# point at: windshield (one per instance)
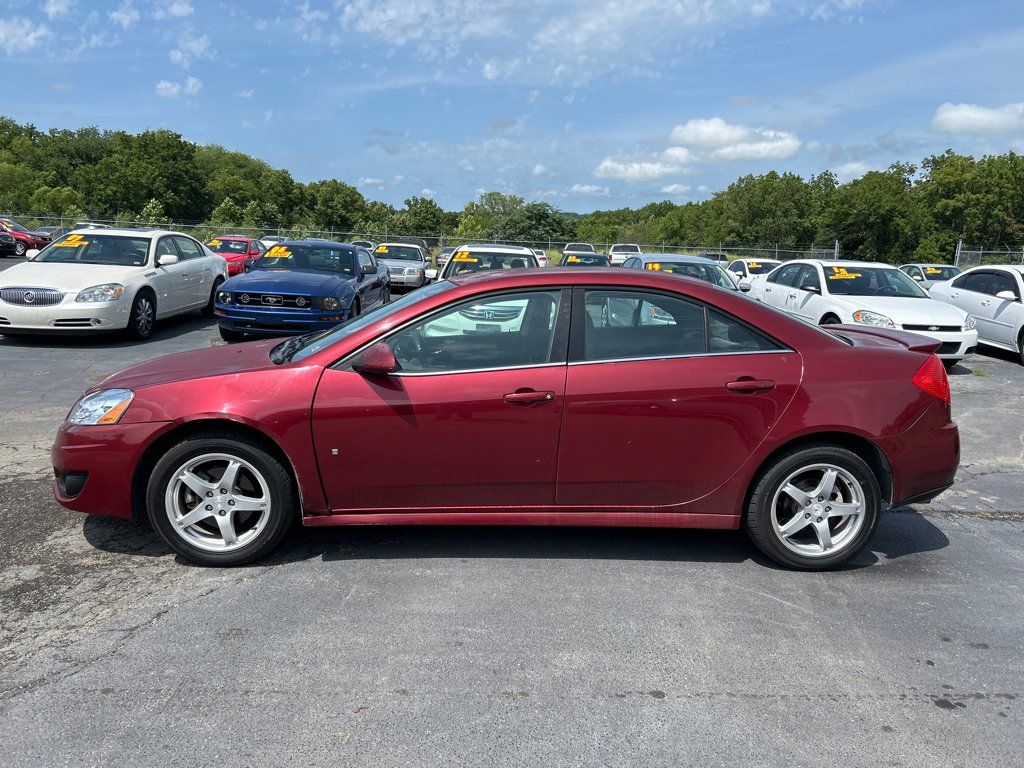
(871, 281)
(761, 267)
(15, 227)
(398, 252)
(303, 346)
(111, 250)
(319, 258)
(585, 260)
(462, 262)
(228, 246)
(709, 273)
(940, 273)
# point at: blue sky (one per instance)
(585, 104)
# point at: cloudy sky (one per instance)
(582, 103)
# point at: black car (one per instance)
(7, 245)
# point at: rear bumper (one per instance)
(93, 466)
(925, 458)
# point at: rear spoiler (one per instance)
(912, 341)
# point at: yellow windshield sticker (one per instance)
(753, 264)
(654, 265)
(933, 271)
(840, 273)
(381, 249)
(215, 243)
(279, 252)
(573, 260)
(72, 241)
(463, 256)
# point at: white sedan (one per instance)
(993, 295)
(827, 292)
(743, 271)
(111, 279)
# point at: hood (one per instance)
(903, 311)
(67, 278)
(286, 281)
(401, 263)
(197, 364)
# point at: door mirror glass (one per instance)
(1007, 296)
(919, 278)
(31, 253)
(367, 269)
(430, 274)
(744, 286)
(247, 266)
(254, 251)
(166, 260)
(377, 360)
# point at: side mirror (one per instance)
(31, 253)
(254, 251)
(744, 286)
(377, 360)
(247, 266)
(367, 269)
(430, 274)
(1007, 296)
(918, 278)
(166, 261)
(811, 288)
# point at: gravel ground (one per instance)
(405, 646)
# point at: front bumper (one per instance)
(93, 466)
(68, 316)
(276, 322)
(953, 345)
(406, 281)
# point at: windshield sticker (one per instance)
(573, 260)
(72, 241)
(381, 249)
(754, 264)
(215, 243)
(654, 265)
(279, 252)
(840, 273)
(464, 257)
(933, 271)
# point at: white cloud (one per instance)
(368, 181)
(427, 192)
(18, 35)
(125, 15)
(309, 15)
(718, 140)
(246, 93)
(166, 89)
(190, 49)
(176, 9)
(55, 9)
(635, 170)
(588, 190)
(675, 189)
(246, 124)
(539, 170)
(680, 155)
(974, 118)
(853, 170)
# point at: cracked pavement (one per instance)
(496, 646)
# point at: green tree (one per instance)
(54, 200)
(153, 213)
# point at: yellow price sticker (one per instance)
(72, 241)
(840, 273)
(753, 265)
(215, 243)
(573, 260)
(464, 257)
(933, 271)
(279, 252)
(654, 266)
(381, 249)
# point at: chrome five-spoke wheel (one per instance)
(218, 502)
(818, 510)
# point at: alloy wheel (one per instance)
(144, 317)
(218, 502)
(818, 510)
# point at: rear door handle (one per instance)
(751, 385)
(986, 302)
(792, 295)
(528, 397)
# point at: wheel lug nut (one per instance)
(231, 503)
(223, 490)
(828, 509)
(821, 498)
(819, 519)
(807, 503)
(209, 507)
(209, 494)
(807, 515)
(222, 513)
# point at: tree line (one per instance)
(901, 213)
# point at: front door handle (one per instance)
(986, 302)
(747, 384)
(528, 397)
(792, 295)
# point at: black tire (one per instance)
(264, 537)
(20, 249)
(830, 320)
(142, 319)
(1020, 347)
(229, 335)
(355, 308)
(386, 298)
(208, 309)
(758, 520)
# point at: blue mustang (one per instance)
(300, 286)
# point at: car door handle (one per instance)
(747, 384)
(767, 290)
(528, 397)
(986, 302)
(792, 295)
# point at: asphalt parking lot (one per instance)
(491, 646)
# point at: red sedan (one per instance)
(237, 250)
(549, 397)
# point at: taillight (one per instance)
(931, 377)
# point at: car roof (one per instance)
(575, 275)
(746, 260)
(392, 242)
(128, 232)
(926, 264)
(1014, 267)
(316, 241)
(842, 263)
(495, 248)
(677, 258)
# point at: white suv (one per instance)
(619, 252)
(109, 279)
(865, 293)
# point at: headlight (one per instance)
(103, 407)
(414, 271)
(105, 292)
(223, 297)
(970, 323)
(872, 318)
(327, 302)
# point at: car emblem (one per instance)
(300, 302)
(933, 327)
(273, 300)
(29, 297)
(244, 298)
(488, 314)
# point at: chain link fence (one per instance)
(968, 256)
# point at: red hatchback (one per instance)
(237, 250)
(555, 397)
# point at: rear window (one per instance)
(585, 260)
(218, 245)
(761, 267)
